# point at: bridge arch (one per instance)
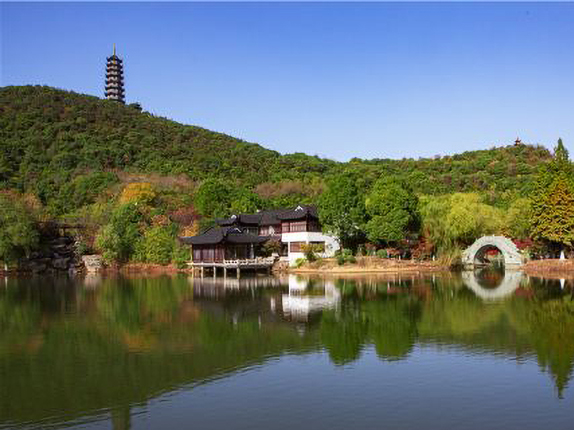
(473, 255)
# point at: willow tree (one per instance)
(553, 202)
(454, 221)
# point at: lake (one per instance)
(482, 350)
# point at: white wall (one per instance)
(331, 243)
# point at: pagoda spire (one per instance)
(115, 78)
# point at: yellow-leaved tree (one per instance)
(138, 192)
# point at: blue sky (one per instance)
(339, 80)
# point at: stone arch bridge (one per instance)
(475, 254)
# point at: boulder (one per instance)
(93, 263)
(60, 263)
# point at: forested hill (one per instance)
(49, 129)
(49, 136)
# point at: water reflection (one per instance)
(307, 296)
(76, 348)
(498, 290)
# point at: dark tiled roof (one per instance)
(299, 212)
(270, 217)
(215, 235)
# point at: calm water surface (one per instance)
(465, 351)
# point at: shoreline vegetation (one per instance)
(547, 269)
(81, 176)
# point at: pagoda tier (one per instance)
(114, 89)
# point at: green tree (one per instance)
(119, 238)
(18, 234)
(342, 209)
(518, 218)
(159, 244)
(219, 198)
(393, 208)
(553, 201)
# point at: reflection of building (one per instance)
(305, 298)
(242, 236)
(218, 287)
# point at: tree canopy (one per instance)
(393, 209)
(18, 233)
(553, 201)
(342, 209)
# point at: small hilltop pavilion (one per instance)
(237, 242)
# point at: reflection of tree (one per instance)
(457, 317)
(86, 361)
(79, 351)
(342, 334)
(392, 326)
(552, 334)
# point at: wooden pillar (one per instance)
(224, 272)
(238, 272)
(214, 271)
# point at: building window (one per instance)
(314, 225)
(269, 230)
(301, 226)
(295, 226)
(296, 246)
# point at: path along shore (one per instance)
(370, 265)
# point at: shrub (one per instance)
(159, 244)
(382, 253)
(340, 259)
(311, 250)
(181, 256)
(118, 239)
(272, 247)
(299, 262)
(18, 234)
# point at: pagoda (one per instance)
(115, 78)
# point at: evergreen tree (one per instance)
(553, 202)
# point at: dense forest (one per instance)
(124, 172)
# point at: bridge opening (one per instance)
(489, 255)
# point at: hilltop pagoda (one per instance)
(115, 78)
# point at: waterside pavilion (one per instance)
(228, 248)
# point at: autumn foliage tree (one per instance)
(553, 202)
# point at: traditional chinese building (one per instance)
(242, 236)
(115, 78)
